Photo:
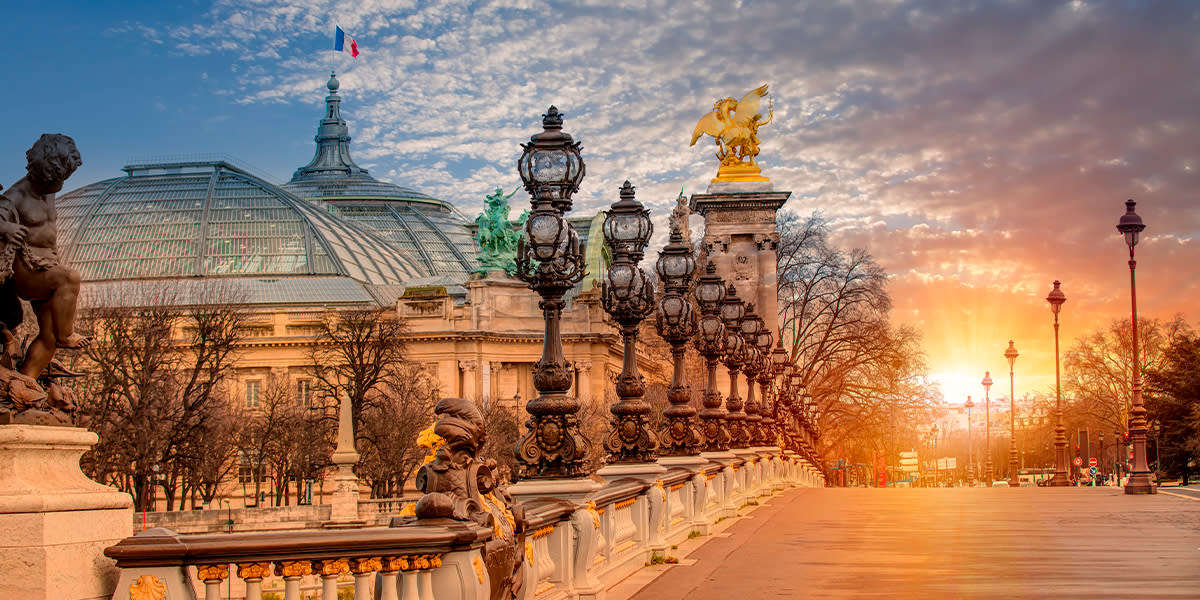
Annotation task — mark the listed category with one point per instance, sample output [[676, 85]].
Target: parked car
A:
[[1000, 483]]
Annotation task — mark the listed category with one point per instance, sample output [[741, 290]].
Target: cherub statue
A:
[[30, 271]]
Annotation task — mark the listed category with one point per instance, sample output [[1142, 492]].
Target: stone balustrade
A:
[[573, 550]]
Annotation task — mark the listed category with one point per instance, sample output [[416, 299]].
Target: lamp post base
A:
[[1060, 480], [1140, 483]]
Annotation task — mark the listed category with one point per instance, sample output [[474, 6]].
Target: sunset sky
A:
[[980, 150]]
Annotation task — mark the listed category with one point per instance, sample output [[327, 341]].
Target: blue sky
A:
[[979, 150]]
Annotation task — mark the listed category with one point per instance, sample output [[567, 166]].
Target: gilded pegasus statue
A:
[[734, 124]]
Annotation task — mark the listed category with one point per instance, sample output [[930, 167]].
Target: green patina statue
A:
[[496, 235]]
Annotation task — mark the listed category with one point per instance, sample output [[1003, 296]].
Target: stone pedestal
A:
[[55, 522], [574, 490]]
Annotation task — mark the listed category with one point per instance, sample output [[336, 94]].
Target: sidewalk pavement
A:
[[1002, 543]]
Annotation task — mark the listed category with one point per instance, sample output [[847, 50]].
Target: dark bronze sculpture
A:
[[458, 485], [30, 271]]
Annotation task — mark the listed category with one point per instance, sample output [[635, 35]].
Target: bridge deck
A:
[[942, 543]]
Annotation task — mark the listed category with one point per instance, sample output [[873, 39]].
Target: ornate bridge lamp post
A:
[[732, 311], [1056, 298], [1013, 469], [710, 343], [629, 298], [987, 438], [752, 325], [550, 259], [764, 377], [677, 324], [1131, 226], [779, 364]]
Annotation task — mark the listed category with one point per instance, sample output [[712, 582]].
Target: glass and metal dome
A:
[[430, 231], [213, 219]]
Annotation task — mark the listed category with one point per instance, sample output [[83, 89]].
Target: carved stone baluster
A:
[[408, 579], [426, 564], [212, 576], [362, 569], [329, 569], [389, 581], [252, 574], [291, 571]]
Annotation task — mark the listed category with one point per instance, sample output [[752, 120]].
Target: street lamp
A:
[[752, 326], [550, 259], [710, 343], [628, 297], [1061, 478], [732, 311], [987, 408], [933, 440], [970, 449], [1013, 472], [1131, 227], [676, 324]]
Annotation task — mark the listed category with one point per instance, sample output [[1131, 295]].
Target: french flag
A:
[[339, 42]]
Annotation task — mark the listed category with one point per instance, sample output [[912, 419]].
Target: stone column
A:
[[466, 379], [57, 522], [344, 500]]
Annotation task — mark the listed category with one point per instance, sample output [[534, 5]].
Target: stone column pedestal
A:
[[55, 521]]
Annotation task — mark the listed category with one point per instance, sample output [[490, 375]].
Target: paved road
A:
[[1001, 543]]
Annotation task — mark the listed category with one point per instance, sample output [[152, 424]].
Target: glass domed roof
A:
[[212, 219], [430, 231]]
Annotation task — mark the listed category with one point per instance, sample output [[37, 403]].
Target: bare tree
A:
[[1098, 368], [156, 371], [398, 410], [865, 374], [355, 351]]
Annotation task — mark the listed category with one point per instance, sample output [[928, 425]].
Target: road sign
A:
[[1092, 462], [1078, 461], [1092, 470]]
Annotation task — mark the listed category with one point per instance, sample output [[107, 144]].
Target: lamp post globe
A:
[[1013, 468], [987, 427], [1131, 227], [1062, 476]]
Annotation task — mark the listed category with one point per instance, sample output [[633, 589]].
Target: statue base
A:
[[739, 172], [57, 521]]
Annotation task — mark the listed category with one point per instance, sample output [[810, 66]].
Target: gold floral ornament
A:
[[733, 125], [478, 564], [148, 587], [430, 441], [208, 573], [529, 551]]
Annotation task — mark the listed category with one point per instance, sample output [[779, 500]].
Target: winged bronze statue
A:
[[734, 124]]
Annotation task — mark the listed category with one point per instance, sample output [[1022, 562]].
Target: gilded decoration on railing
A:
[[392, 564], [254, 570], [207, 573], [475, 562], [293, 568], [331, 567], [148, 587], [359, 566], [458, 485]]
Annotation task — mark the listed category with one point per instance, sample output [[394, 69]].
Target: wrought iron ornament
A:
[[710, 343]]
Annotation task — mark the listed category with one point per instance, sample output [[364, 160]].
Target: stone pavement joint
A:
[[1001, 543]]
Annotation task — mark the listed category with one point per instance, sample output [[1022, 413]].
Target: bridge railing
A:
[[572, 549]]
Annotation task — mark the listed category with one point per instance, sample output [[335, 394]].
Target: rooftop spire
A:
[[332, 160]]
